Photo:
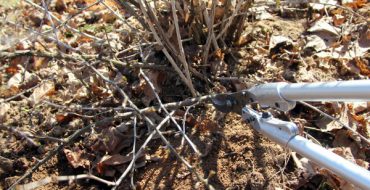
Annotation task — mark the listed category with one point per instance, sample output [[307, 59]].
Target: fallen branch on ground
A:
[[77, 57], [39, 183], [52, 153]]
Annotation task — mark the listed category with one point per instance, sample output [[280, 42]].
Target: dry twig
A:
[[67, 141], [192, 145], [39, 183]]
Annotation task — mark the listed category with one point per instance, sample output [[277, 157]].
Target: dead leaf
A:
[[323, 25], [334, 180], [105, 164], [320, 4], [356, 4], [111, 141], [116, 159], [6, 166], [40, 62], [12, 69], [46, 89], [205, 125], [327, 124], [343, 138], [338, 19], [364, 68], [76, 159], [100, 91], [157, 78], [63, 117], [4, 107], [22, 79]]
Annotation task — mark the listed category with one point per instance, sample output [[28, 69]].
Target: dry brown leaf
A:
[[75, 158], [364, 68], [356, 4], [327, 124], [116, 159], [60, 5], [100, 91], [333, 179], [63, 118], [157, 78], [40, 62], [12, 69], [46, 89], [111, 3], [111, 141], [4, 107], [205, 125], [22, 80], [338, 19]]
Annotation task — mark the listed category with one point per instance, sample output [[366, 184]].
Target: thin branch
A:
[[19, 133], [68, 140], [164, 50], [140, 151], [179, 41], [192, 145], [184, 122], [151, 125], [230, 20], [77, 58], [119, 16], [39, 183], [169, 106], [210, 31], [60, 22], [336, 120]]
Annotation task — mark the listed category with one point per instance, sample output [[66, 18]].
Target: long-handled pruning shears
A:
[[283, 96]]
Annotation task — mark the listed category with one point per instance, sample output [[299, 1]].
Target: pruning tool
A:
[[283, 96]]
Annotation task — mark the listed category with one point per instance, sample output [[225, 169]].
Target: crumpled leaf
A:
[[116, 159], [111, 141], [364, 67], [4, 107], [343, 138], [205, 125], [323, 25], [45, 89], [320, 4], [75, 158], [218, 65], [105, 164], [157, 78], [277, 40], [355, 4], [22, 80], [261, 12], [327, 124], [336, 181]]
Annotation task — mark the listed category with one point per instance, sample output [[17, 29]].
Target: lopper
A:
[[283, 96]]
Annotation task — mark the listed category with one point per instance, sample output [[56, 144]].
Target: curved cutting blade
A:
[[232, 102]]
